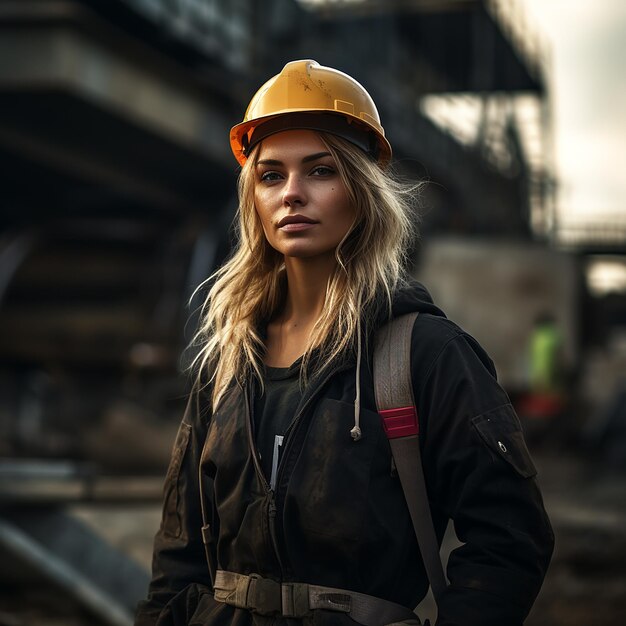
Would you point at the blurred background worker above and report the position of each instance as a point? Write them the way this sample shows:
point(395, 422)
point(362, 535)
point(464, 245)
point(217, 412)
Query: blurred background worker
point(546, 346)
point(545, 400)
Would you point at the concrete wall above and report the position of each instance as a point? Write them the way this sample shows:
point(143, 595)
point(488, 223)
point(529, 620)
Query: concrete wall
point(495, 289)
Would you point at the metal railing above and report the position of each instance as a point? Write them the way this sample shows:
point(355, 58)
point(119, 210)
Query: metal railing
point(598, 232)
point(509, 14)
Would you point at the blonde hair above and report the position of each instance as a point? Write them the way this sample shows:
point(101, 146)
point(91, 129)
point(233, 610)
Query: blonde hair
point(249, 289)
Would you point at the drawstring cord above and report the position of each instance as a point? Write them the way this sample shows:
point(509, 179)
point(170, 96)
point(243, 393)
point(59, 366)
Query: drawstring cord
point(355, 433)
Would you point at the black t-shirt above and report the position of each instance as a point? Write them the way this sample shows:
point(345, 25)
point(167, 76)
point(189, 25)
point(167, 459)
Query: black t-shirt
point(273, 412)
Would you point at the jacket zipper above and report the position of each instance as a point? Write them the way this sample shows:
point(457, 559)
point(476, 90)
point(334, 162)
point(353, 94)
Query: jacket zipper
point(271, 513)
point(271, 509)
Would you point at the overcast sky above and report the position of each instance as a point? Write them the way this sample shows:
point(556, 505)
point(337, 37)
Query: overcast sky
point(588, 42)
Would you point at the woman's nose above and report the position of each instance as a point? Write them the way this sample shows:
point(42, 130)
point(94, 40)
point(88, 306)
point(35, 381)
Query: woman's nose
point(294, 192)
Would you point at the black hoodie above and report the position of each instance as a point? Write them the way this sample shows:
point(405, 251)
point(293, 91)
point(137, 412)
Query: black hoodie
point(337, 516)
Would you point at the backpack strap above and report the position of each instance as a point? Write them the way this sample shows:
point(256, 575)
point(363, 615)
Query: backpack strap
point(396, 406)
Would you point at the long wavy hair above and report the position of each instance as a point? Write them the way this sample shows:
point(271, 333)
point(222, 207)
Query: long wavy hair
point(250, 288)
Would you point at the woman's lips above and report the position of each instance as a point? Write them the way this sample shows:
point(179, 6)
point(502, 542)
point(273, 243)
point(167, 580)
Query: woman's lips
point(296, 226)
point(294, 223)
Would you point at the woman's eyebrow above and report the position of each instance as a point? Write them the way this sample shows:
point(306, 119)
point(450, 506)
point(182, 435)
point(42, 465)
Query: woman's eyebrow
point(306, 159)
point(314, 157)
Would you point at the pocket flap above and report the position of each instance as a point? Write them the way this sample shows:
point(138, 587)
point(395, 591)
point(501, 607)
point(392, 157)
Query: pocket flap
point(501, 430)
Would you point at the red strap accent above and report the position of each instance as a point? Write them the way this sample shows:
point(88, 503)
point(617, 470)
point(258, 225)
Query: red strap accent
point(401, 422)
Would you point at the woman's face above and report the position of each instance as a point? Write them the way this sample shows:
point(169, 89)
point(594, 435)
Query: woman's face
point(299, 196)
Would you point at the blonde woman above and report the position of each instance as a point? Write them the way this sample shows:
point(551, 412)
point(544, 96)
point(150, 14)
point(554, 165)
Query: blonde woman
point(281, 501)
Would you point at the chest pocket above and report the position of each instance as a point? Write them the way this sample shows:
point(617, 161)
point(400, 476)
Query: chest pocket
point(501, 432)
point(331, 479)
point(171, 523)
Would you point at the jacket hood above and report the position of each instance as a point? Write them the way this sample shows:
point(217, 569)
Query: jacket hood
point(413, 296)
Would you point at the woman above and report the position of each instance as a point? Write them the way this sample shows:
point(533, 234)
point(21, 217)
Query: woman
point(281, 472)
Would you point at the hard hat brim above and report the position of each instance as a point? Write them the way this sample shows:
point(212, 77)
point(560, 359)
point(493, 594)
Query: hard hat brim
point(245, 136)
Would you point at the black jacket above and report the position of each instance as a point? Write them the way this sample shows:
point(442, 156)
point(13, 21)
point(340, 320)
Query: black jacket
point(338, 515)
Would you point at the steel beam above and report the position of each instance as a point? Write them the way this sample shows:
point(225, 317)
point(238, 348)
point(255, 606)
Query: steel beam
point(55, 53)
point(63, 551)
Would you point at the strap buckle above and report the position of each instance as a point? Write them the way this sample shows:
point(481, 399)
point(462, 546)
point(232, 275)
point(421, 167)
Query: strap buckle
point(264, 596)
point(270, 598)
point(400, 422)
point(295, 599)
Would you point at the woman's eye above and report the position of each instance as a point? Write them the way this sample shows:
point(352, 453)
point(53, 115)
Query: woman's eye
point(269, 176)
point(323, 170)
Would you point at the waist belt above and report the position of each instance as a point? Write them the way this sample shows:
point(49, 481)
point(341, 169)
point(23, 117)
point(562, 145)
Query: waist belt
point(268, 597)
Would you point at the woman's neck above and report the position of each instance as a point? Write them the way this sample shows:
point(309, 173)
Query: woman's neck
point(288, 334)
point(307, 282)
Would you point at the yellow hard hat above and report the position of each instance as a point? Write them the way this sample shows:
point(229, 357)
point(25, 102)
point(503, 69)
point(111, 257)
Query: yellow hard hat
point(308, 95)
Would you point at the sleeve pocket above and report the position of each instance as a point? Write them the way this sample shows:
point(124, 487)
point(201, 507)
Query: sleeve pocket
point(501, 431)
point(171, 523)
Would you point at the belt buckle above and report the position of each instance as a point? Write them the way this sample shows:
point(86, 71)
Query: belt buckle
point(264, 596)
point(295, 599)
